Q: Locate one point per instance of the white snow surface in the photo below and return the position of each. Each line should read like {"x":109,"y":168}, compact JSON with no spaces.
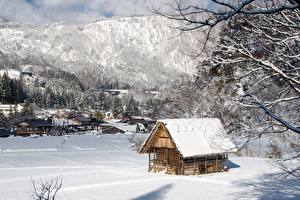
{"x":106,"y":168}
{"x":199,"y":136}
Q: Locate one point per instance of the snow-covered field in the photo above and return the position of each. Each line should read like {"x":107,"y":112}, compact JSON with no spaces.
{"x":95,"y":168}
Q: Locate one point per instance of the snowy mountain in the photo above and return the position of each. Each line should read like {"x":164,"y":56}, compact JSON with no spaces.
{"x":139,"y":51}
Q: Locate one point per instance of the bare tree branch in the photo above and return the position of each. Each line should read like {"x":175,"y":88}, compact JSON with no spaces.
{"x":275,"y":117}
{"x":46,"y":189}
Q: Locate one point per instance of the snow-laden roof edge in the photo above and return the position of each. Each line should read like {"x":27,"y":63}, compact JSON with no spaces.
{"x":196,"y":136}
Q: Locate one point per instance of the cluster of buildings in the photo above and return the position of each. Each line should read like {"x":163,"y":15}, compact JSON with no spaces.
{"x":77,"y":124}
{"x":9,"y":109}
{"x":66,"y":121}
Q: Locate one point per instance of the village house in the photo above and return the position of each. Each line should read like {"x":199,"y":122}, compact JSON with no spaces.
{"x":82,"y":123}
{"x":143,"y":124}
{"x":76,"y":123}
{"x":38,"y":112}
{"x":133,"y":120}
{"x":59,"y":113}
{"x":8,"y":109}
{"x":63,"y":122}
{"x":188,"y":146}
{"x":33,"y":127}
{"x":109,"y":129}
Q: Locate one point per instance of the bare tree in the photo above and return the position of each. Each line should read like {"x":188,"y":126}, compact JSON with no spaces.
{"x":259,"y":50}
{"x":265,"y":49}
{"x":46,"y":189}
{"x":258,"y":38}
{"x":194,"y":17}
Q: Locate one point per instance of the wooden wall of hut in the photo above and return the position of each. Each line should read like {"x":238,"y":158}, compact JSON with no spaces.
{"x":206,"y":164}
{"x":164,"y":156}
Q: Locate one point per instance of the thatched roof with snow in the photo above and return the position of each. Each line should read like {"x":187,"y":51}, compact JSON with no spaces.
{"x":195,"y":136}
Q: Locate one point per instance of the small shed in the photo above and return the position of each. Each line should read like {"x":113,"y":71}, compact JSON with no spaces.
{"x":188,"y":146}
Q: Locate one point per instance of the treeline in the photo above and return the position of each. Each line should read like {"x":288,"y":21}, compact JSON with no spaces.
{"x":11,"y":90}
{"x":59,"y":89}
{"x":126,"y":107}
{"x":50,"y":98}
{"x":109,"y":84}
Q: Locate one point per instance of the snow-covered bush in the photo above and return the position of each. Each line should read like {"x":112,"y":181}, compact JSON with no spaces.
{"x":136,"y":140}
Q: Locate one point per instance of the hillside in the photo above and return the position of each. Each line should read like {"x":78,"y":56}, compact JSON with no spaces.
{"x":141,"y":51}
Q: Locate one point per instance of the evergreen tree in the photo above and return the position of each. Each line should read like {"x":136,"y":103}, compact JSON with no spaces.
{"x":99,"y":116}
{"x":99,"y":101}
{"x":6,"y":89}
{"x":107,"y":103}
{"x":117,"y":107}
{"x":13,"y":92}
{"x":4,"y":122}
{"x":15,"y":111}
{"x":27,"y":109}
{"x":132,"y":107}
{"x":10,"y":114}
{"x":153,"y":108}
{"x":48,"y":98}
{"x":1,"y":90}
{"x":21,"y":95}
{"x":72,"y":101}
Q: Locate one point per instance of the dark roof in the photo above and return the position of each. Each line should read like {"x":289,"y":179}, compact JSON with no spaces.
{"x":37,"y":122}
{"x":22,"y":119}
{"x":82,"y":119}
{"x":95,"y":121}
{"x":138,"y":119}
{"x":108,"y":129}
{"x":4,"y":132}
{"x":27,"y":73}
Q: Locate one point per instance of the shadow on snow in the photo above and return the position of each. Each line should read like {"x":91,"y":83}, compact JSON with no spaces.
{"x":155,"y":194}
{"x":269,"y":187}
{"x":232,"y":165}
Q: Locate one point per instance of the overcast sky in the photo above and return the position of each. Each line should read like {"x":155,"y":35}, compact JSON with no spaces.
{"x":49,"y":11}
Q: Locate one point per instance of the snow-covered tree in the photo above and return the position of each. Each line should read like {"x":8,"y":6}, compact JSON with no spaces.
{"x":255,"y":68}
{"x":260,"y":41}
{"x":131,"y":106}
{"x":117,"y":107}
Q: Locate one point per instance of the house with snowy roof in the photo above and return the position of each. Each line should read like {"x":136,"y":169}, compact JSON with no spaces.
{"x":188,"y":146}
{"x":8,"y":109}
{"x":29,"y":127}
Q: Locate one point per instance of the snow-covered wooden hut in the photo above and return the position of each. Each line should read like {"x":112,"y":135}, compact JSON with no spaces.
{"x":188,"y":146}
